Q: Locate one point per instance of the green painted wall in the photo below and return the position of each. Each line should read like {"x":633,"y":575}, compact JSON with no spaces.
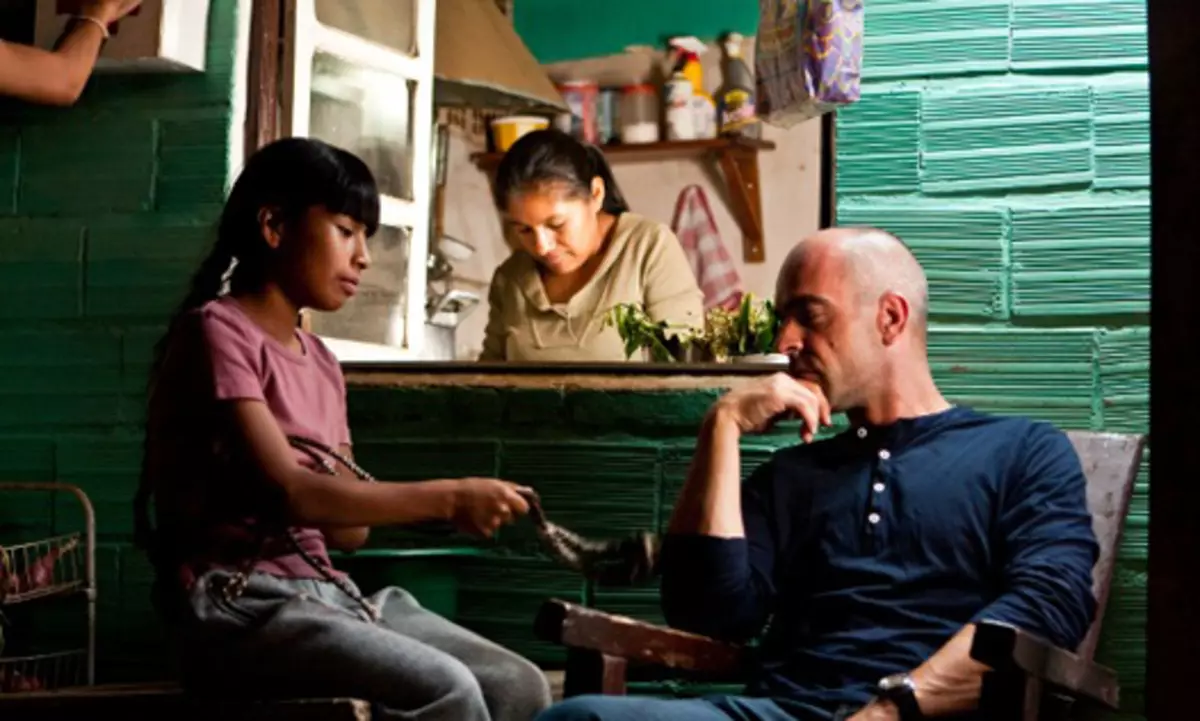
{"x":1008,"y":142}
{"x":105,"y":208}
{"x":557,"y":30}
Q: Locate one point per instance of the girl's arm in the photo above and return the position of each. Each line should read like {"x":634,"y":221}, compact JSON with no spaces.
{"x":475,"y":505}
{"x":346,"y":538}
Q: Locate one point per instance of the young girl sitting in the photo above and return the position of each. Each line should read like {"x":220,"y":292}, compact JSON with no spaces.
{"x":247,"y":414}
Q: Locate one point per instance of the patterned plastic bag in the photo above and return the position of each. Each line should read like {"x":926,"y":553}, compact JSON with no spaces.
{"x":808,"y":58}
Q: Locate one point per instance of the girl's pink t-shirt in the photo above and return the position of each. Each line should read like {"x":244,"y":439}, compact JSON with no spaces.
{"x":210,"y":503}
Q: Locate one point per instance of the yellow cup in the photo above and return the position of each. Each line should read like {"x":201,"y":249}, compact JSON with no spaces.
{"x":508,"y":130}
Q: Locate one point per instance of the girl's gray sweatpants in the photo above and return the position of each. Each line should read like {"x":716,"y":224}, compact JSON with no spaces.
{"x":309,"y":639}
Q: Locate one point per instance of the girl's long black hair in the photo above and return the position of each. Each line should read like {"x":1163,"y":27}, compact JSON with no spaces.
{"x":288,"y":176}
{"x":554,"y":157}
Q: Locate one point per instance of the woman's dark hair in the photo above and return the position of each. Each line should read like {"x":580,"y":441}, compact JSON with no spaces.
{"x":554,"y":157}
{"x":289,"y":176}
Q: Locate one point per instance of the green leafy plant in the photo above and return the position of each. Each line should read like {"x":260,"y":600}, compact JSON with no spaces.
{"x":749,"y":329}
{"x":663,"y":342}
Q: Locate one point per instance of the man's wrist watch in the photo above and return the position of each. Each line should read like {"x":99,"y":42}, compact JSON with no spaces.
{"x":901,"y":689}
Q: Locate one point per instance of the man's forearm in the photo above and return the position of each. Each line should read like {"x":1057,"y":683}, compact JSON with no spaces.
{"x":947,"y":683}
{"x":710,"y":503}
{"x":950,"y":680}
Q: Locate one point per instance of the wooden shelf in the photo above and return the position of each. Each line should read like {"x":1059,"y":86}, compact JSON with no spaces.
{"x":736,"y":157}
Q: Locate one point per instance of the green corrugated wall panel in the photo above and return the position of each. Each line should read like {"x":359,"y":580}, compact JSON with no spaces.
{"x":1122,"y":107}
{"x":960,"y":247}
{"x":939,"y":37}
{"x":883,"y":173}
{"x":1063,"y":413}
{"x":500,"y":597}
{"x":1125,"y":362}
{"x":1073,"y":34}
{"x":878,"y":144}
{"x":1081,"y":258}
{"x":417,"y":460}
{"x":966,"y":345}
{"x":1135,"y":539}
{"x":593,"y":488}
{"x":1123,"y":642}
{"x":990,"y":138}
{"x":995,"y":364}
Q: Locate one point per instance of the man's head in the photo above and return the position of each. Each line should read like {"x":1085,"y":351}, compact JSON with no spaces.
{"x":852,"y":305}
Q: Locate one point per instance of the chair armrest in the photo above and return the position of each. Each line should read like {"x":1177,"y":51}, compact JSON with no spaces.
{"x":623,"y":637}
{"x":1008,"y":649}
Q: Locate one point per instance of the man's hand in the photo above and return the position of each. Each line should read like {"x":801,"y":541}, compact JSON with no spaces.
{"x":761,"y":403}
{"x":877,"y":711}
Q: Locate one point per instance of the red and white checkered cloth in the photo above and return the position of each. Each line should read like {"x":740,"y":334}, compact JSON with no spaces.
{"x":710,"y":260}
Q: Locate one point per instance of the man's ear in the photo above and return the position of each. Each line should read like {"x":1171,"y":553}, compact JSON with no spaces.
{"x":270,"y":225}
{"x":894,"y":312}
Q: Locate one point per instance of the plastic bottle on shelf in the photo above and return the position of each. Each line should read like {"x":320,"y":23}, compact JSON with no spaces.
{"x":686,"y":52}
{"x":736,"y":114}
{"x":680,"y":114}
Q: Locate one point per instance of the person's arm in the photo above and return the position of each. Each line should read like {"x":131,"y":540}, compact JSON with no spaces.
{"x":672,"y":293}
{"x":495,"y":333}
{"x":315,"y":499}
{"x":347,"y":538}
{"x":58,"y":77}
{"x":311,"y":498}
{"x":1050,"y":549}
{"x":719,"y":554}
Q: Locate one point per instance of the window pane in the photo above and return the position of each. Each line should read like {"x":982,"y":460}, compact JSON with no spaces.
{"x":377,"y":313}
{"x":391,"y":23}
{"x":369,"y":113}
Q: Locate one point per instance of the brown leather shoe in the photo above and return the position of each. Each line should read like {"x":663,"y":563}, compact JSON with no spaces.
{"x":613,"y":562}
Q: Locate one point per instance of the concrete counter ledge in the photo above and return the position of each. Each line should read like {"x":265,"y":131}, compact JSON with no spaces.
{"x":561,"y":376}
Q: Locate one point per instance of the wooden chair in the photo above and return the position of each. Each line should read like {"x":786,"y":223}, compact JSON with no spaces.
{"x":1031,"y":680}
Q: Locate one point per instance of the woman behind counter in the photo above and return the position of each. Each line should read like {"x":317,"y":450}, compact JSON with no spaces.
{"x":581,"y":252}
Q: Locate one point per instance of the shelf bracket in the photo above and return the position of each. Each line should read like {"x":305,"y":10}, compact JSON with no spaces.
{"x":740,"y":168}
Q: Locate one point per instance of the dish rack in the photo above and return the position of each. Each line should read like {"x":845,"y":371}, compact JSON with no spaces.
{"x":58,"y":566}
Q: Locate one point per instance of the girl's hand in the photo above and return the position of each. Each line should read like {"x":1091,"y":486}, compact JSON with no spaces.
{"x":482,"y":505}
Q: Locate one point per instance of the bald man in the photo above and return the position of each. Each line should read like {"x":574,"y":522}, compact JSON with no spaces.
{"x":872,"y":553}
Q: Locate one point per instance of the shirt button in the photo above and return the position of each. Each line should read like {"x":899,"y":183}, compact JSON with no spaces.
{"x":862,"y":432}
{"x":879,"y":487}
{"x":873,"y":518}
{"x":884,"y":454}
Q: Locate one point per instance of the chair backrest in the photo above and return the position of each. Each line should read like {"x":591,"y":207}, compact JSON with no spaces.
{"x":1110,"y":463}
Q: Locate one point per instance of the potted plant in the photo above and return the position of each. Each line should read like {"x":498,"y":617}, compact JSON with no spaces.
{"x":659,"y":341}
{"x":745,"y":334}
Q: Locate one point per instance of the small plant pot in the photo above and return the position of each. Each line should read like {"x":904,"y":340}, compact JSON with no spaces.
{"x":778,"y":359}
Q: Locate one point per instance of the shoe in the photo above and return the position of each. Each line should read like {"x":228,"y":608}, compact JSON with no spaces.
{"x":613,"y":562}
